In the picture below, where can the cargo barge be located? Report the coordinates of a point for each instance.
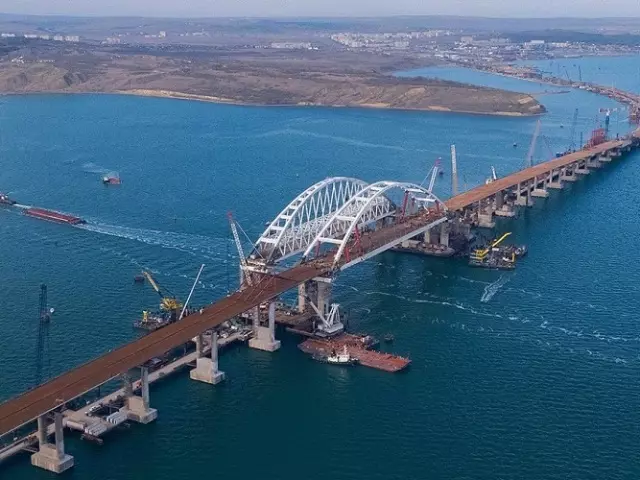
(53, 216)
(355, 346)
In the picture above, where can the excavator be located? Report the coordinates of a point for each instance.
(168, 303)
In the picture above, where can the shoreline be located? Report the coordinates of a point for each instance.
(173, 95)
(170, 94)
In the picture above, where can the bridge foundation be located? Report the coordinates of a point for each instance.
(582, 169)
(485, 220)
(264, 338)
(593, 163)
(137, 407)
(567, 176)
(605, 158)
(540, 193)
(207, 368)
(51, 457)
(523, 200)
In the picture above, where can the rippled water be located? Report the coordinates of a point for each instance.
(525, 374)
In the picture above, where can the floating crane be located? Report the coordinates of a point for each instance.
(483, 252)
(169, 302)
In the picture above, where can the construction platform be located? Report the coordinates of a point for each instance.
(359, 347)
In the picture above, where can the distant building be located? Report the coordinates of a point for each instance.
(292, 45)
(30, 35)
(72, 38)
(466, 39)
(58, 38)
(162, 34)
(44, 37)
(7, 35)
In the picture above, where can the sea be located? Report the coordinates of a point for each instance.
(527, 374)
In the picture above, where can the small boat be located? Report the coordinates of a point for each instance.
(515, 144)
(343, 358)
(389, 338)
(138, 279)
(111, 179)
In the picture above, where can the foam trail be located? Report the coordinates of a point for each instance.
(493, 288)
(192, 244)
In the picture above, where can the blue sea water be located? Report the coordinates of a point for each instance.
(531, 374)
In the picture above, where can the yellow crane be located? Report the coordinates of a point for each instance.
(480, 253)
(169, 303)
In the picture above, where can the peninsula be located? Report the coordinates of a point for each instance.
(239, 75)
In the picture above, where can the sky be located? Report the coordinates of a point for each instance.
(336, 8)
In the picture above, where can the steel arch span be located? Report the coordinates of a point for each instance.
(368, 205)
(300, 222)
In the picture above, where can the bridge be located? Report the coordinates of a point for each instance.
(333, 225)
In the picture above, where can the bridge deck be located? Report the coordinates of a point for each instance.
(33, 403)
(484, 191)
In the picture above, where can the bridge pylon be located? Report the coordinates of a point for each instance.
(137, 407)
(264, 337)
(207, 367)
(51, 457)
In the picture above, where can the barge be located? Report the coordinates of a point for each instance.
(53, 216)
(355, 346)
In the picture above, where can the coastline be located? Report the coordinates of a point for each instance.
(143, 92)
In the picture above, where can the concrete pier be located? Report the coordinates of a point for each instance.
(207, 368)
(137, 407)
(264, 338)
(539, 193)
(51, 457)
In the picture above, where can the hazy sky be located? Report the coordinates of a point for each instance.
(271, 8)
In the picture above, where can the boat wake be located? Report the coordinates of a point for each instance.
(493, 288)
(91, 167)
(196, 245)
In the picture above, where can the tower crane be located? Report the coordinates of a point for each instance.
(168, 303)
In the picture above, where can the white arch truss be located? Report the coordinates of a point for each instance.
(299, 223)
(368, 205)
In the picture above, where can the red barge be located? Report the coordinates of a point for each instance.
(53, 216)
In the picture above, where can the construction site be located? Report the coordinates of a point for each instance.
(335, 224)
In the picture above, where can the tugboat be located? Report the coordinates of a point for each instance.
(335, 358)
(5, 200)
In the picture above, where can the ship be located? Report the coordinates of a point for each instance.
(53, 216)
(111, 179)
(5, 200)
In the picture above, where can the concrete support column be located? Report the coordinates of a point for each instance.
(265, 337)
(566, 175)
(526, 200)
(324, 297)
(42, 431)
(137, 407)
(555, 184)
(199, 346)
(207, 368)
(445, 228)
(537, 191)
(51, 457)
(581, 169)
(302, 297)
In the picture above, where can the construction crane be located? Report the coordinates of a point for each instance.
(493, 176)
(434, 174)
(574, 122)
(454, 171)
(532, 146)
(482, 252)
(42, 345)
(244, 277)
(168, 303)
